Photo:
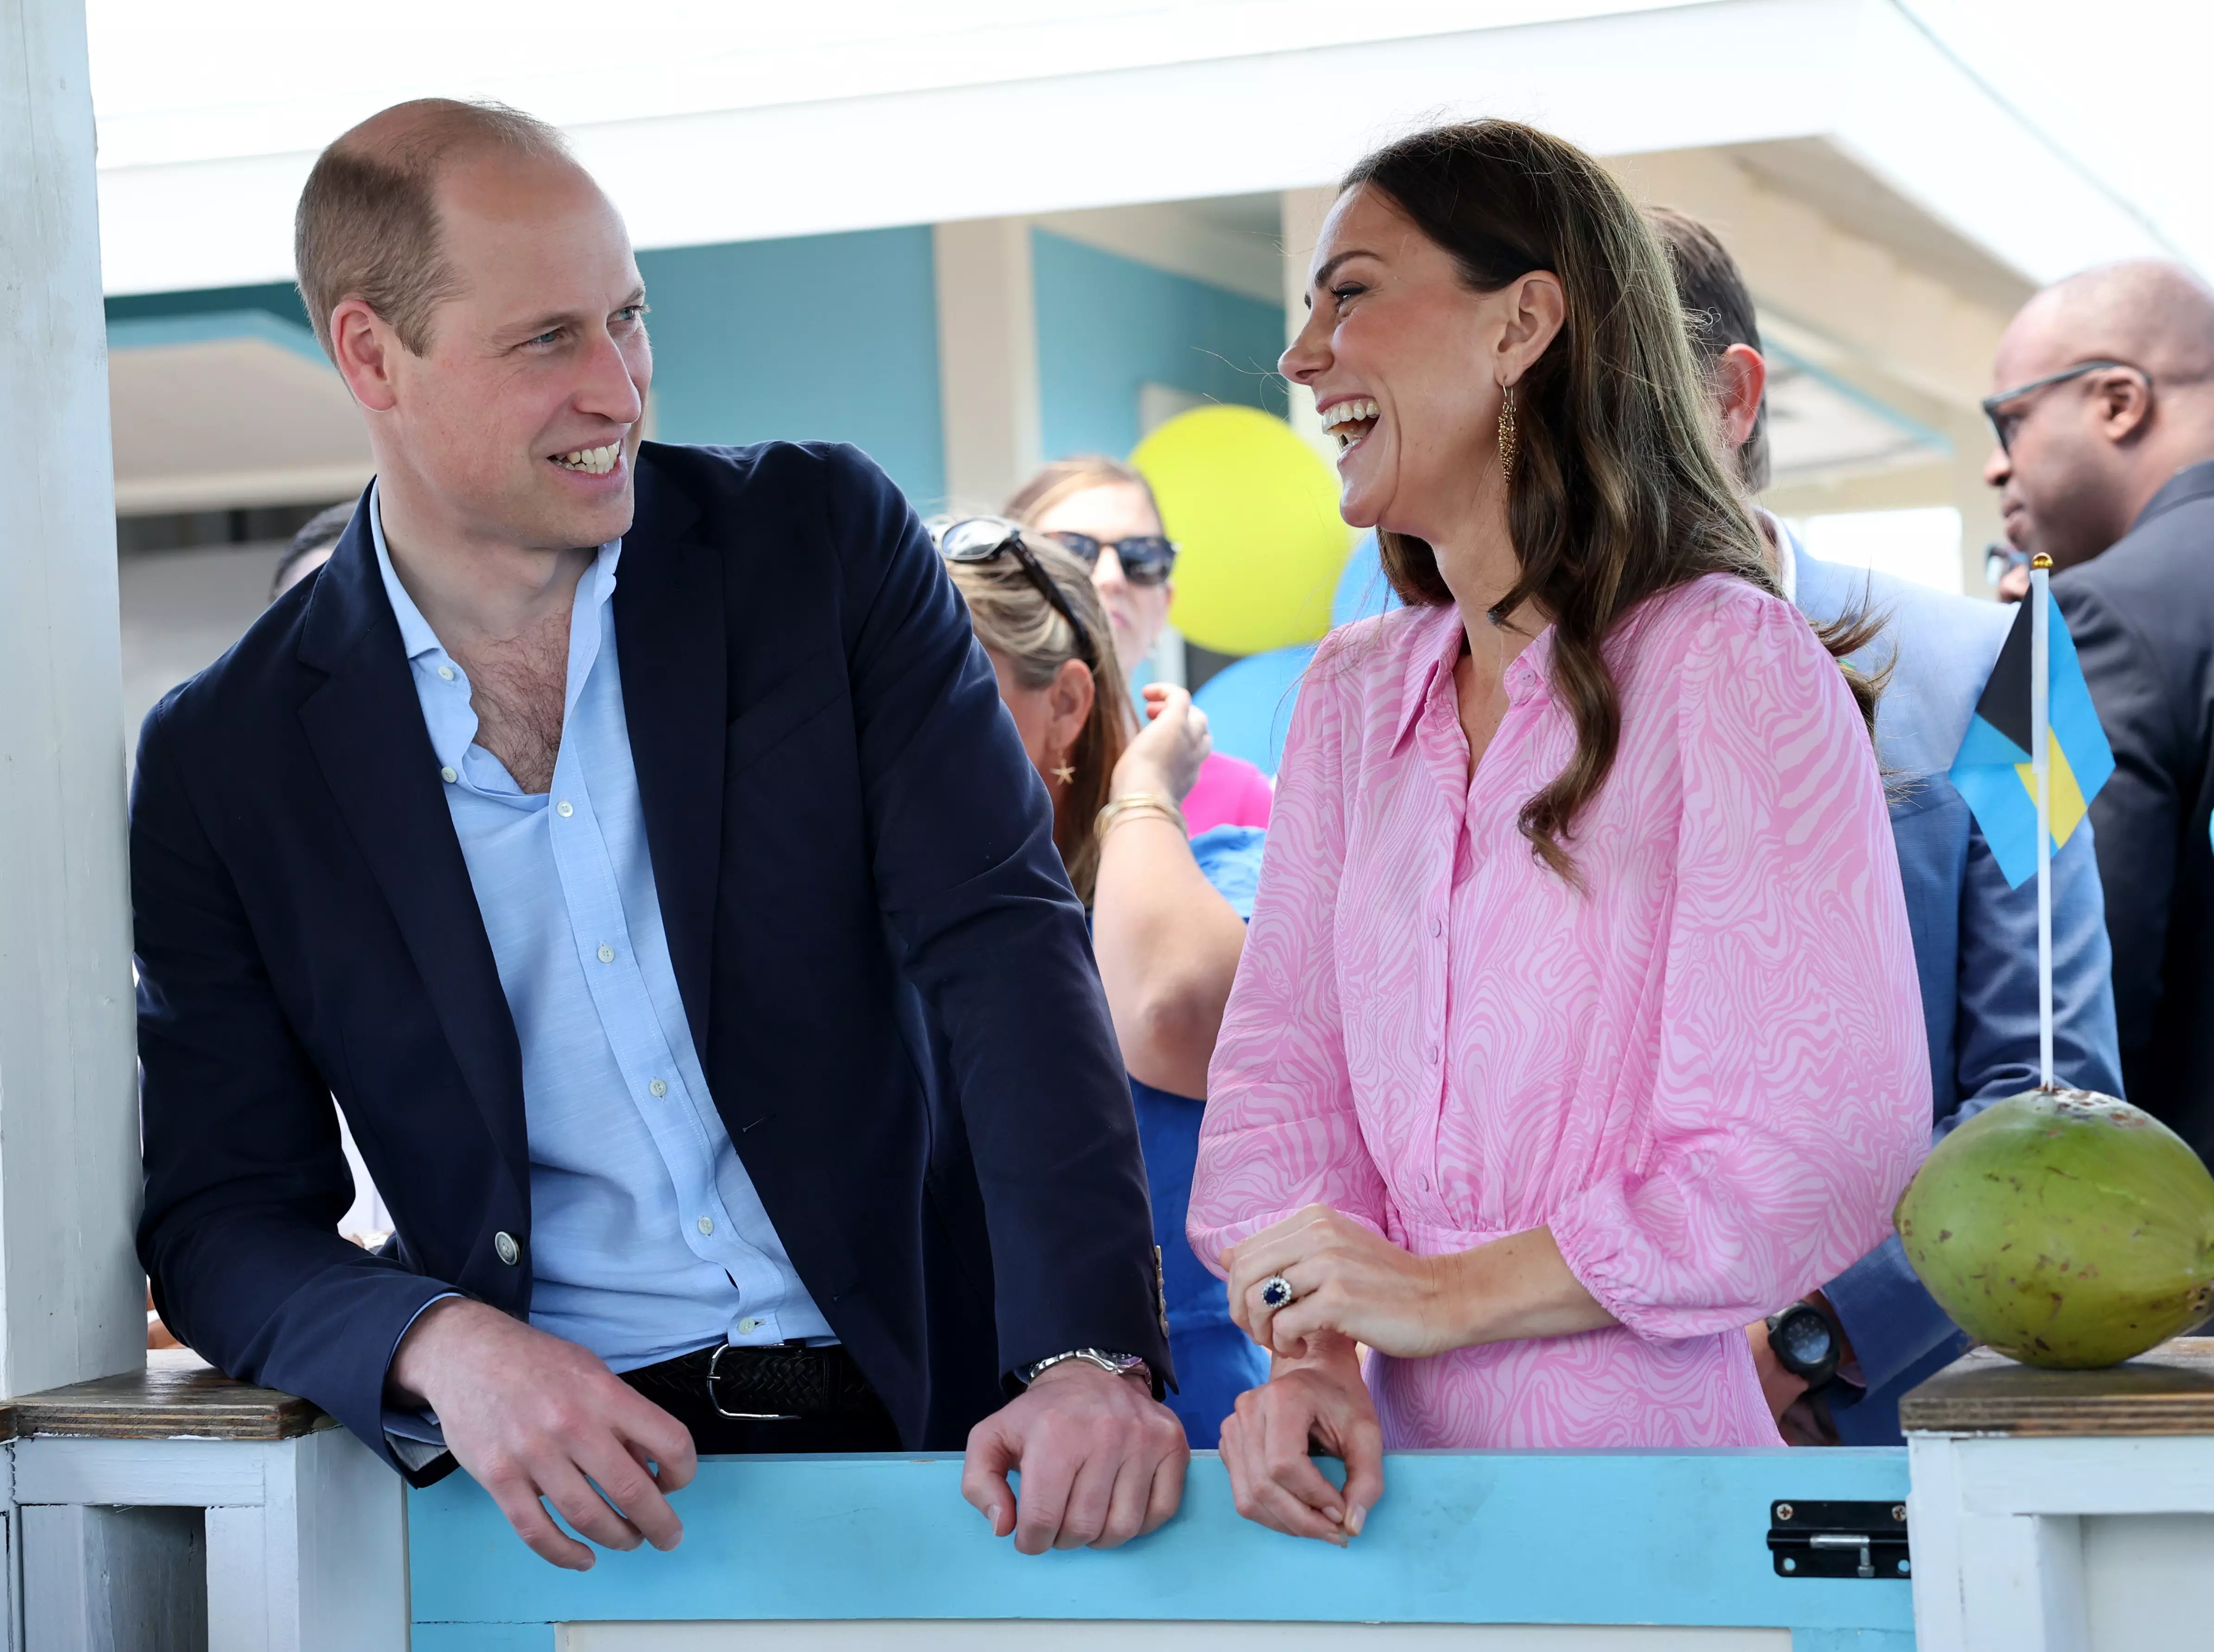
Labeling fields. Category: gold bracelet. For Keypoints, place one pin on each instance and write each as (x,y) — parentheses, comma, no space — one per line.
(1140,803)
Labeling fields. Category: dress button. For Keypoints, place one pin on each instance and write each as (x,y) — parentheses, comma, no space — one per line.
(747,1327)
(450,774)
(706,1224)
(563,809)
(506,1246)
(446,673)
(658,1088)
(607,954)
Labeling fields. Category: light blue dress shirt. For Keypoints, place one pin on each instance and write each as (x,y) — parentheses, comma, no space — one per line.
(647,1237)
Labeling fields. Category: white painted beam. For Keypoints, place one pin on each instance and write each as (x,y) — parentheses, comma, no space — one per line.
(1302,213)
(71,1293)
(987,365)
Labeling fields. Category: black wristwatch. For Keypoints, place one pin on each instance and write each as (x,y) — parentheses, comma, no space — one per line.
(1807,1342)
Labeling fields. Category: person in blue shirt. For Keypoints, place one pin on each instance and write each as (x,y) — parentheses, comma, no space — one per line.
(588,826)
(1168,912)
(1975,939)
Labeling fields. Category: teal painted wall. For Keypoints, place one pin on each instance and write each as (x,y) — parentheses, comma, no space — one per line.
(1107,324)
(279,298)
(827,338)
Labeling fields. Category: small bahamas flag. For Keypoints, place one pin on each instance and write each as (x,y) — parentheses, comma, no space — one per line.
(1993,771)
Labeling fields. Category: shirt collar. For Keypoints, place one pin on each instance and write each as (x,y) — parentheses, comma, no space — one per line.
(594,590)
(1432,654)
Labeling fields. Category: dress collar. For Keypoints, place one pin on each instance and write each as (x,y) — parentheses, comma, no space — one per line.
(1435,647)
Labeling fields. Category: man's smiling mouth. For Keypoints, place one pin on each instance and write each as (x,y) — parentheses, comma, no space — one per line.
(590,462)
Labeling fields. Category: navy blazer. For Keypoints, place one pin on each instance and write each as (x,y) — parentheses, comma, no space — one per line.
(847,838)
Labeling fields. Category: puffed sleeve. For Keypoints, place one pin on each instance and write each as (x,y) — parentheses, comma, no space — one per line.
(1790,1083)
(1280,1132)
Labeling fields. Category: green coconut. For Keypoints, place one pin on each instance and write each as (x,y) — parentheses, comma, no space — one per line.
(2063,1228)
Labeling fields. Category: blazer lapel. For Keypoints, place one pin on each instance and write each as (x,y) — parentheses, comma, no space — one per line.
(364,724)
(669,635)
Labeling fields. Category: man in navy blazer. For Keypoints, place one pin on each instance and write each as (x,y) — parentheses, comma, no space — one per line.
(610,891)
(1975,939)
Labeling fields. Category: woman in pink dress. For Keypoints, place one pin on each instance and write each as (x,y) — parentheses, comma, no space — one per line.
(1577,1025)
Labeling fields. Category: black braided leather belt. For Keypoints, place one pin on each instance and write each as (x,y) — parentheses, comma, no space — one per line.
(777,1383)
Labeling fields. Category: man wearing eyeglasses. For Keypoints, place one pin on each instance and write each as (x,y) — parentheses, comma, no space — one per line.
(2103,406)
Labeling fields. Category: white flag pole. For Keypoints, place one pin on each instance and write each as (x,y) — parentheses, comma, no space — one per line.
(2040,759)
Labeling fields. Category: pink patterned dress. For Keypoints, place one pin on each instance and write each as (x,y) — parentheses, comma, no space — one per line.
(1705,1074)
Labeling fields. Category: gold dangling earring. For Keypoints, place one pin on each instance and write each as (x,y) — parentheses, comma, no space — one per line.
(1510,439)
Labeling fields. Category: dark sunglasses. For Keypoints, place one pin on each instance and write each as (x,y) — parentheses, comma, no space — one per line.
(982,539)
(2004,424)
(1146,558)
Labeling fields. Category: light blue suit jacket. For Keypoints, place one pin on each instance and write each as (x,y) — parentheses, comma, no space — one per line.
(1975,943)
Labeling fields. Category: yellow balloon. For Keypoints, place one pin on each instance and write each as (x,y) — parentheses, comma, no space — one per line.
(1253,510)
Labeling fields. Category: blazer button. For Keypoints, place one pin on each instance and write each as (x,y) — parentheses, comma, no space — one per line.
(506,1246)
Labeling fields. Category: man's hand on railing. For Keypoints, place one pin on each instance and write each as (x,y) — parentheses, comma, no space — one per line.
(532,1416)
(1102,1461)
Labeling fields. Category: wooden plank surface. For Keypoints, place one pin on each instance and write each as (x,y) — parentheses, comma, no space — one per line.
(2169,1390)
(178,1396)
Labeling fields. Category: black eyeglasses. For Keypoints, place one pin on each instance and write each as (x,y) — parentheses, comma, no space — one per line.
(1146,558)
(2004,424)
(981,539)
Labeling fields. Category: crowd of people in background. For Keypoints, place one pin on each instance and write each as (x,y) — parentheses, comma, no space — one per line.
(795,992)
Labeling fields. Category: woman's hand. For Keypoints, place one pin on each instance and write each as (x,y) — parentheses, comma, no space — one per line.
(1164,757)
(1347,1279)
(1321,1401)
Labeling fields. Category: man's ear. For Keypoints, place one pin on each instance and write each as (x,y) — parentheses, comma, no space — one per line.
(1739,377)
(2124,404)
(365,350)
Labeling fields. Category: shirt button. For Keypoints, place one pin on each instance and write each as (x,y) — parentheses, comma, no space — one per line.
(747,1327)
(1425,1183)
(446,672)
(706,1224)
(607,954)
(563,809)
(506,1246)
(1437,926)
(658,1088)
(450,774)
(1433,1052)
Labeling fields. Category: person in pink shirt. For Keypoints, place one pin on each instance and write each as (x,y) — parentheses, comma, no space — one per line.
(1577,1025)
(1104,512)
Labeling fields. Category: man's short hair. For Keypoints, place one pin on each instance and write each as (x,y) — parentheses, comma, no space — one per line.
(1719,312)
(367,226)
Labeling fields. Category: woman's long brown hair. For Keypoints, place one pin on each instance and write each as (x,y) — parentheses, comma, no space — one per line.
(1620,493)
(1015,622)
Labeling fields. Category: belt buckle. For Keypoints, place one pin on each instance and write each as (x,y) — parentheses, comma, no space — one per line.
(715,1370)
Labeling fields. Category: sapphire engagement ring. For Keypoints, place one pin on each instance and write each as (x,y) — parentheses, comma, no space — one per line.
(1275,1293)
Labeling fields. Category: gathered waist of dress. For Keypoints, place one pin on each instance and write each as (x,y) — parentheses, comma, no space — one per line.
(1428,1239)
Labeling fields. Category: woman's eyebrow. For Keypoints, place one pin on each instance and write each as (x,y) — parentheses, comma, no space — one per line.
(1323,274)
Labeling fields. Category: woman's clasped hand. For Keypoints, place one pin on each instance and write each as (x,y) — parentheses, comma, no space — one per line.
(1348,1280)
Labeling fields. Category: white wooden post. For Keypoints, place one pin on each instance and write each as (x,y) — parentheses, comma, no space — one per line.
(70,1290)
(987,366)
(1300,213)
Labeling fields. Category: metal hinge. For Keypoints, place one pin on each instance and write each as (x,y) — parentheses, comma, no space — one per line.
(1838,1540)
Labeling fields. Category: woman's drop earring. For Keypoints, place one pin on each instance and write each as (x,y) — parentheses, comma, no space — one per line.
(1065,772)
(1510,439)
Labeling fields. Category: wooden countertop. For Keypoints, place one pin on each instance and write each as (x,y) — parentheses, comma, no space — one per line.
(2169,1390)
(178,1396)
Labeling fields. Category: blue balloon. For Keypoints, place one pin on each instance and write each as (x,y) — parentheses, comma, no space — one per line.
(1362,590)
(1249,704)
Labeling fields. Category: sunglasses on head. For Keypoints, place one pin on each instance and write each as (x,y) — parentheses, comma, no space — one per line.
(983,539)
(1146,558)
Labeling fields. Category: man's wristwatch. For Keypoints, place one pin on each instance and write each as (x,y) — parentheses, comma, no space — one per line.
(1807,1343)
(1115,1365)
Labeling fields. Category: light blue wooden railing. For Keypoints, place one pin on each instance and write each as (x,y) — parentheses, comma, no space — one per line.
(1588,1537)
